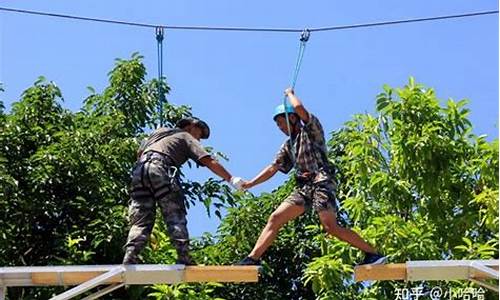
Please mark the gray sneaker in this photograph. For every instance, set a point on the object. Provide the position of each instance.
(248, 261)
(373, 259)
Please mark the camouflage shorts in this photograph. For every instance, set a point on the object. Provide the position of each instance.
(320, 196)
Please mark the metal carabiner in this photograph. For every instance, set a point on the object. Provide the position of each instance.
(159, 34)
(304, 36)
(172, 172)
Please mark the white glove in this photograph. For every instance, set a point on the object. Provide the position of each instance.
(237, 183)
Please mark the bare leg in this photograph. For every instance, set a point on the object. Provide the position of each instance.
(329, 220)
(284, 213)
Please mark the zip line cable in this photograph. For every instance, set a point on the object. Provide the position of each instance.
(474, 14)
(303, 39)
(331, 28)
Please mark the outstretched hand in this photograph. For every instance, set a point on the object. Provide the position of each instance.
(238, 183)
(246, 185)
(289, 91)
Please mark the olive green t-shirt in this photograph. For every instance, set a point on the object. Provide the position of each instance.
(178, 145)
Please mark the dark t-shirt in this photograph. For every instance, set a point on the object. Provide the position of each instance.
(179, 145)
(309, 150)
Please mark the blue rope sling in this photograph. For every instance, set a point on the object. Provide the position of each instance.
(304, 37)
(161, 96)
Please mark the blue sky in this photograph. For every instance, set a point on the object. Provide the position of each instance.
(234, 80)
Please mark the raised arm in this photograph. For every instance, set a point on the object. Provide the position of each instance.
(297, 105)
(264, 175)
(214, 166)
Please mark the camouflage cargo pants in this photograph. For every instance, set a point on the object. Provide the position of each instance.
(153, 185)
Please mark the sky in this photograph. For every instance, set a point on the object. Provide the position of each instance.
(233, 80)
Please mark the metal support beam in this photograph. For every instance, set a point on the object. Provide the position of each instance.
(437, 270)
(104, 291)
(111, 277)
(153, 274)
(221, 274)
(474, 270)
(477, 267)
(485, 284)
(3, 292)
(82, 288)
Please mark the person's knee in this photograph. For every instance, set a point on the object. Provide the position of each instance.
(177, 231)
(331, 227)
(275, 221)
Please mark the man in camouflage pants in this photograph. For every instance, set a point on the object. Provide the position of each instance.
(305, 152)
(155, 181)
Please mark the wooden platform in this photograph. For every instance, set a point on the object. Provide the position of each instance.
(133, 274)
(86, 278)
(473, 270)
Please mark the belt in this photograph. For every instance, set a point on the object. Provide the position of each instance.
(153, 154)
(150, 155)
(305, 177)
(309, 177)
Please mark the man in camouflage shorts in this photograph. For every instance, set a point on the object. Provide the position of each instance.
(155, 181)
(306, 152)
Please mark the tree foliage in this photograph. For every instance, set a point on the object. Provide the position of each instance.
(413, 179)
(64, 175)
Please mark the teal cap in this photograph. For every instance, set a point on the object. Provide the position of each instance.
(282, 109)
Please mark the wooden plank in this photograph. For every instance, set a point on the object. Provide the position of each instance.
(23, 276)
(221, 274)
(68, 278)
(146, 274)
(134, 274)
(425, 270)
(380, 272)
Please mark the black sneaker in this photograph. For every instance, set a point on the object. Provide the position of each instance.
(373, 259)
(248, 261)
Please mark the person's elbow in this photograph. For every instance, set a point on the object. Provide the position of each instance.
(302, 113)
(207, 161)
(272, 169)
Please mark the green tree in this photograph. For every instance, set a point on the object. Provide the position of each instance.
(415, 181)
(412, 179)
(64, 175)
